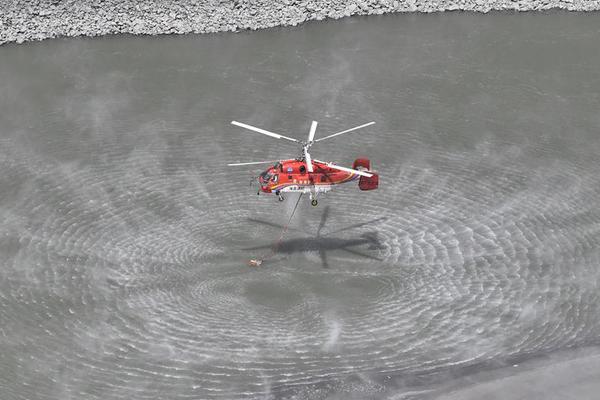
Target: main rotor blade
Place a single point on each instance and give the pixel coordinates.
(264, 132)
(251, 163)
(309, 165)
(330, 165)
(346, 131)
(313, 129)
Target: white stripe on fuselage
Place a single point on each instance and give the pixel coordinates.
(306, 189)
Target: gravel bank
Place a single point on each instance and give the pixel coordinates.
(26, 20)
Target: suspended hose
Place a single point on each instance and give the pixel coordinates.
(259, 261)
(285, 228)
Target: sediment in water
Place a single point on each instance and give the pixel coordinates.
(27, 20)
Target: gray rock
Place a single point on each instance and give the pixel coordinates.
(26, 20)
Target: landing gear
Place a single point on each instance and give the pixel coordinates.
(279, 196)
(313, 197)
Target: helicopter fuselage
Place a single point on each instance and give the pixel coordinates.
(293, 176)
(306, 175)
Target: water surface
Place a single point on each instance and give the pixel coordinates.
(122, 261)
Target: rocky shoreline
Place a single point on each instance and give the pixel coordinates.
(27, 20)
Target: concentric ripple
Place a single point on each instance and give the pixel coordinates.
(124, 240)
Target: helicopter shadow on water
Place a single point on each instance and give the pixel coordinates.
(322, 243)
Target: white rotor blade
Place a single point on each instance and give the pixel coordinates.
(346, 131)
(330, 165)
(313, 129)
(251, 163)
(264, 132)
(309, 165)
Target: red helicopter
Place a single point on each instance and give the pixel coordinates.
(307, 175)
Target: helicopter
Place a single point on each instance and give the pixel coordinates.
(305, 174)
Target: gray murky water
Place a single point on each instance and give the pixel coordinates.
(122, 240)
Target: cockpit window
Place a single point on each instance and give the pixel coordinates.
(266, 176)
(275, 178)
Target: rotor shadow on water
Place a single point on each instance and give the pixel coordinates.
(323, 243)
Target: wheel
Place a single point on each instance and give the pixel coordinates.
(314, 202)
(281, 198)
